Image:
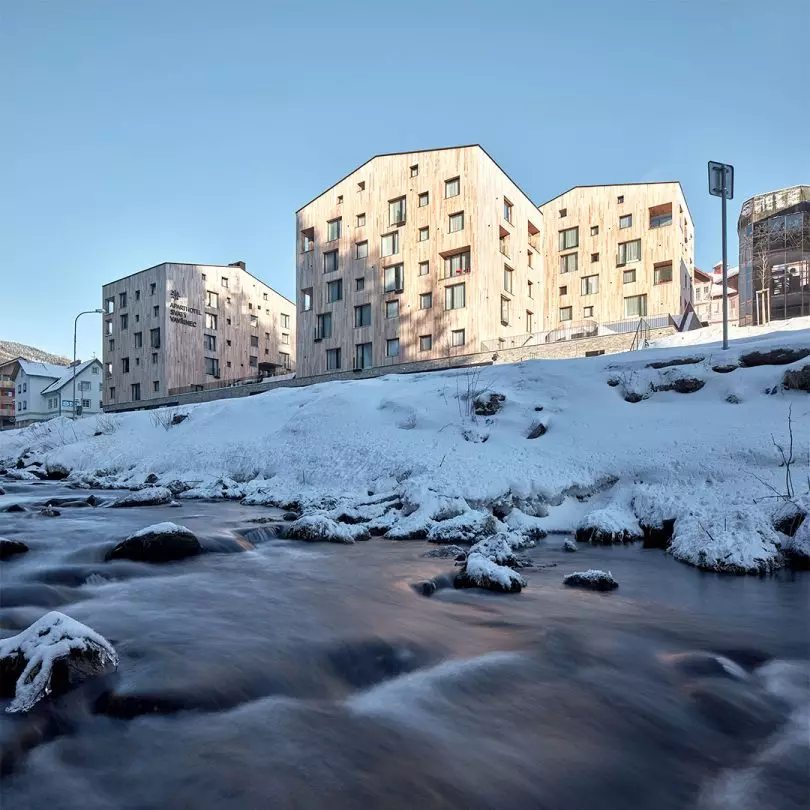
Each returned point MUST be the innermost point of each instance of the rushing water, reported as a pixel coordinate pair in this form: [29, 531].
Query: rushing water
[313, 676]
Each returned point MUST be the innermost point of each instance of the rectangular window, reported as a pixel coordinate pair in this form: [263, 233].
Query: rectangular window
[84, 385]
[361, 250]
[507, 210]
[426, 300]
[211, 299]
[124, 321]
[455, 296]
[595, 353]
[629, 276]
[505, 311]
[594, 258]
[626, 221]
[414, 170]
[135, 390]
[620, 199]
[563, 213]
[456, 222]
[254, 341]
[569, 238]
[285, 321]
[324, 328]
[95, 370]
[334, 229]
[224, 281]
[629, 252]
[308, 240]
[122, 300]
[253, 361]
[210, 320]
[392, 309]
[457, 264]
[362, 315]
[508, 274]
[254, 321]
[284, 358]
[155, 386]
[529, 321]
[361, 220]
[503, 243]
[212, 366]
[109, 305]
[452, 188]
[154, 357]
[138, 340]
[393, 278]
[589, 285]
[392, 347]
[111, 344]
[390, 244]
[425, 343]
[424, 199]
[306, 299]
[662, 273]
[125, 365]
[661, 215]
[569, 263]
[332, 359]
[530, 258]
[565, 313]
[424, 234]
[285, 338]
[458, 337]
[330, 261]
[156, 311]
[359, 284]
[108, 369]
[265, 296]
[635, 306]
[152, 289]
[594, 230]
[587, 312]
[424, 268]
[531, 290]
[334, 291]
[85, 403]
[396, 211]
[362, 355]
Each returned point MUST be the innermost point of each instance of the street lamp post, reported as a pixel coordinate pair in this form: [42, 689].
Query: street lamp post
[75, 324]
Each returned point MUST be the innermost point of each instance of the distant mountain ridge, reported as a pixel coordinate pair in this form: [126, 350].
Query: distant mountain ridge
[9, 350]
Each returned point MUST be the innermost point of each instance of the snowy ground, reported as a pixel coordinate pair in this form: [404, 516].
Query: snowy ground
[706, 459]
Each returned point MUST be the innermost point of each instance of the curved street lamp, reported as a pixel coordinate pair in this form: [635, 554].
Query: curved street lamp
[75, 324]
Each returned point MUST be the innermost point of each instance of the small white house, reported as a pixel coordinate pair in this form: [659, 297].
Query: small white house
[44, 390]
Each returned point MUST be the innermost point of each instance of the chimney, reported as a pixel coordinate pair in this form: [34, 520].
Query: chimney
[238, 264]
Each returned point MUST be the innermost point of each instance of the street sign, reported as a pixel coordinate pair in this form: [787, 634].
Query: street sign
[721, 180]
[67, 403]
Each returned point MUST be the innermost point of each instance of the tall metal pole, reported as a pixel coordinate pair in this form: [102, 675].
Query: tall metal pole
[75, 324]
[725, 267]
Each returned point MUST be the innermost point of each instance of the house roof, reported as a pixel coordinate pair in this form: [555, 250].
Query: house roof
[416, 152]
[68, 376]
[33, 369]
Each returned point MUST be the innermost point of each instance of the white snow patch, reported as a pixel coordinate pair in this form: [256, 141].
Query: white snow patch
[482, 571]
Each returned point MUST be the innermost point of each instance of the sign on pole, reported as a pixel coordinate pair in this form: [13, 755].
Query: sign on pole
[721, 184]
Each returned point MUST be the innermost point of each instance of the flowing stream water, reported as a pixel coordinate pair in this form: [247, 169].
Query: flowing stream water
[287, 675]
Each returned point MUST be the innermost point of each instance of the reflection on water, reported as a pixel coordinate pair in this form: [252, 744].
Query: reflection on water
[305, 676]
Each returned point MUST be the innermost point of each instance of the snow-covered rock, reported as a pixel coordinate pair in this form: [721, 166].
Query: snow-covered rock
[149, 496]
[159, 543]
[52, 654]
[21, 475]
[614, 523]
[446, 553]
[529, 527]
[466, 528]
[797, 548]
[11, 548]
[593, 579]
[496, 548]
[481, 572]
[320, 528]
[570, 545]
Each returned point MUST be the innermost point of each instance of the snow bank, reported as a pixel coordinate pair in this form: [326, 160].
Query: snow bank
[615, 523]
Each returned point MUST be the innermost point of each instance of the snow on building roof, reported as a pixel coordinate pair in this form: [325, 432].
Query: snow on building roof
[65, 378]
[33, 369]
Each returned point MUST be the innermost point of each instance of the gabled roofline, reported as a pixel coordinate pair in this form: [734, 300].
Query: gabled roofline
[608, 185]
[416, 152]
[49, 389]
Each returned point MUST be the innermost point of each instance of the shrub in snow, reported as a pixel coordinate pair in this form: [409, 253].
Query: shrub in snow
[159, 543]
[481, 572]
[592, 579]
[54, 653]
[797, 379]
[11, 548]
[488, 405]
[615, 523]
[465, 528]
[150, 496]
[741, 541]
[320, 528]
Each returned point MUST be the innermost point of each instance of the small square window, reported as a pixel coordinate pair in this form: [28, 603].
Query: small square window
[456, 222]
[620, 199]
[392, 309]
[156, 386]
[452, 188]
[224, 281]
[334, 291]
[392, 347]
[414, 170]
[361, 186]
[137, 295]
[424, 199]
[587, 312]
[330, 261]
[626, 221]
[361, 220]
[629, 276]
[361, 250]
[332, 359]
[594, 257]
[564, 289]
[424, 268]
[594, 230]
[565, 313]
[563, 212]
[458, 337]
[507, 210]
[425, 343]
[424, 234]
[152, 289]
[359, 284]
[426, 300]
[340, 199]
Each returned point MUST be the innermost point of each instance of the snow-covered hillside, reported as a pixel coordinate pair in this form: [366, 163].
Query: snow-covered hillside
[608, 445]
[9, 350]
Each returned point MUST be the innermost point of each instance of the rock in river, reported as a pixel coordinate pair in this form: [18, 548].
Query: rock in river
[593, 579]
[162, 542]
[319, 528]
[11, 548]
[149, 496]
[51, 655]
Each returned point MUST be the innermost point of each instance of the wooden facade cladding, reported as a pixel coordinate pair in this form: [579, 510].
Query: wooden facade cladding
[600, 212]
[361, 202]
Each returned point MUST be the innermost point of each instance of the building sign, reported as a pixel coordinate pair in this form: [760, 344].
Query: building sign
[180, 313]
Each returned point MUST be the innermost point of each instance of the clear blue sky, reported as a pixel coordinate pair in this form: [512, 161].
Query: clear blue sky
[139, 131]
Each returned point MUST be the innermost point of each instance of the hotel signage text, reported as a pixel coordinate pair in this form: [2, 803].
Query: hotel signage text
[180, 313]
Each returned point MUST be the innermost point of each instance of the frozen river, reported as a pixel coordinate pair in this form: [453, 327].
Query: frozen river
[288, 675]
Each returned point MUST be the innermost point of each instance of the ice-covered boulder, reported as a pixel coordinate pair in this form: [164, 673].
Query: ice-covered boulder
[21, 475]
[570, 545]
[322, 529]
[529, 527]
[149, 496]
[592, 579]
[159, 543]
[466, 528]
[615, 523]
[11, 548]
[797, 548]
[496, 548]
[51, 655]
[56, 472]
[481, 572]
[446, 553]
